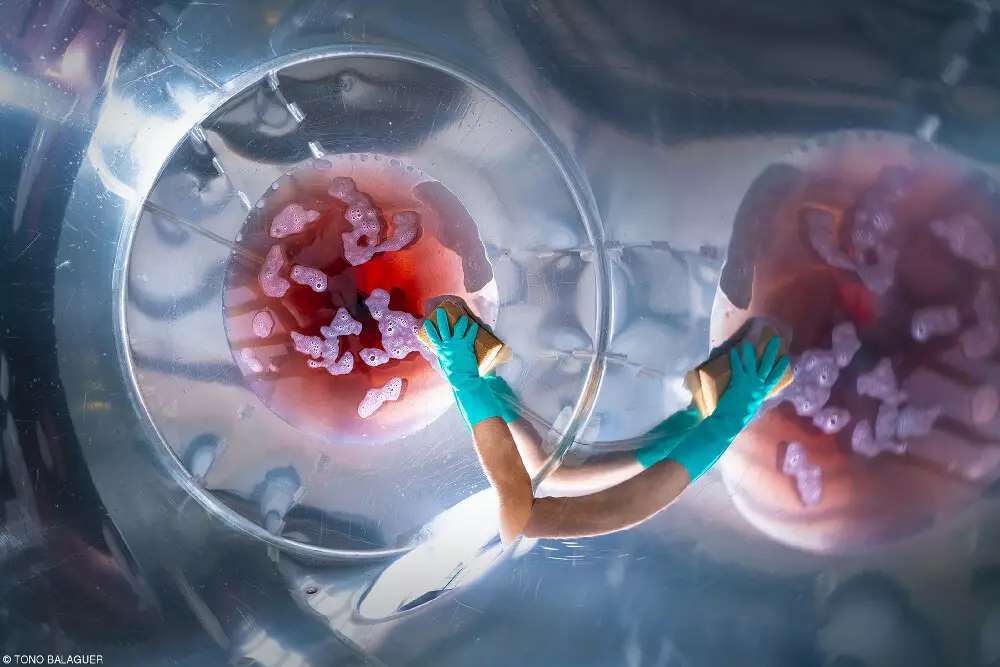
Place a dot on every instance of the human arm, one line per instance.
(506, 473)
(684, 457)
(482, 412)
(623, 506)
(596, 474)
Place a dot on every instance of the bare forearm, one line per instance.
(598, 473)
(503, 467)
(617, 508)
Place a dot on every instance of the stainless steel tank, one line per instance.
(615, 157)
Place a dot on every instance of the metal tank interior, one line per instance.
(631, 182)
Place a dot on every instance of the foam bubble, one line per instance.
(354, 252)
(881, 383)
(398, 329)
(292, 220)
(271, 283)
(934, 321)
(817, 367)
(262, 324)
(879, 276)
(362, 242)
(808, 476)
(406, 224)
(342, 367)
(967, 239)
(917, 422)
(864, 442)
(342, 325)
(886, 421)
(378, 303)
(310, 345)
(374, 356)
(250, 360)
(343, 188)
(820, 230)
(831, 420)
(795, 458)
(845, 343)
(808, 399)
(375, 398)
(314, 278)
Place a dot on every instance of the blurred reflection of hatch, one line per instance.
(456, 548)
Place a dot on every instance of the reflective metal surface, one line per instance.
(153, 512)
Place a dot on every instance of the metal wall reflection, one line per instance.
(607, 148)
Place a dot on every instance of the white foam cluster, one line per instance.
(864, 442)
(271, 283)
(873, 218)
(808, 476)
(377, 303)
(817, 367)
(374, 356)
(808, 399)
(872, 222)
(880, 274)
(313, 346)
(250, 360)
(873, 260)
(815, 372)
(376, 398)
(262, 324)
(314, 278)
(916, 422)
(343, 366)
(881, 383)
(398, 329)
(967, 239)
(845, 343)
(324, 351)
(342, 325)
(362, 242)
(831, 420)
(934, 321)
(877, 276)
(292, 220)
(886, 422)
(405, 226)
(895, 424)
(981, 339)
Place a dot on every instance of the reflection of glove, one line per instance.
(458, 362)
(666, 435)
(505, 397)
(739, 403)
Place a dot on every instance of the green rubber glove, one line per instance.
(505, 397)
(666, 436)
(455, 353)
(705, 443)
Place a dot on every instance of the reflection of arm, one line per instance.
(622, 506)
(504, 469)
(598, 473)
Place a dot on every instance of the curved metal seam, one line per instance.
(582, 196)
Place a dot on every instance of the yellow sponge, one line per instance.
(707, 382)
(490, 350)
